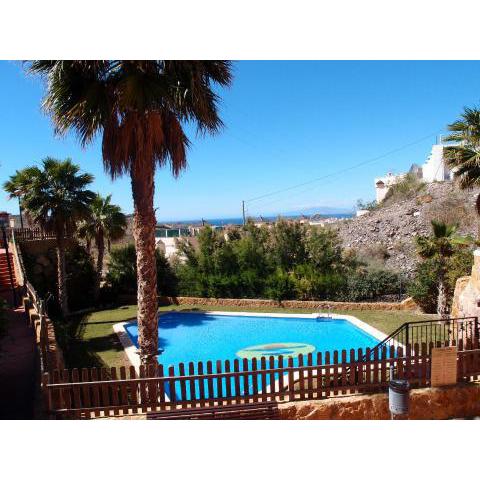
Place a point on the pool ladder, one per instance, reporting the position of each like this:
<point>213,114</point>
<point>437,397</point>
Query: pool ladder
<point>329,314</point>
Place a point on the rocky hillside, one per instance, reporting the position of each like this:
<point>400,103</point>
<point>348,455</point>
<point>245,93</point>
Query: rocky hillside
<point>386,235</point>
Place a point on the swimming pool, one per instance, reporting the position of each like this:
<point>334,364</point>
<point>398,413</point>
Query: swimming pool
<point>194,337</point>
<point>200,336</point>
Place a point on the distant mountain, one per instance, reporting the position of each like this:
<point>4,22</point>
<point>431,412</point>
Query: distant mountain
<point>319,211</point>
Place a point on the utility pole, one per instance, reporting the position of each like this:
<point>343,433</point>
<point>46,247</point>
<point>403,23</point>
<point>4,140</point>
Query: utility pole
<point>243,211</point>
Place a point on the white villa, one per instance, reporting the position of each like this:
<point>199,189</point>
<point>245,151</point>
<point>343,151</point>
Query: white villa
<point>433,170</point>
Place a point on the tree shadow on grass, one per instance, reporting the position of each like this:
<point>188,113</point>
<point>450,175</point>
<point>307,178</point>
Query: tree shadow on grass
<point>79,352</point>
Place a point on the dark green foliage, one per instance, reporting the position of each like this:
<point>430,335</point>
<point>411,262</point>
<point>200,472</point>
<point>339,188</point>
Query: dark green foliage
<point>122,272</point>
<point>280,286</point>
<point>361,205</point>
<point>374,284</point>
<point>41,270</point>
<point>287,261</point>
<point>424,288</point>
<point>80,278</point>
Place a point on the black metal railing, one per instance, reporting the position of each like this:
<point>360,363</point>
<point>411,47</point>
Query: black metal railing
<point>432,332</point>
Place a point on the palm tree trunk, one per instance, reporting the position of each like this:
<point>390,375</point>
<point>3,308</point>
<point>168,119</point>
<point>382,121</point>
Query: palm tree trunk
<point>442,307</point>
<point>144,235</point>
<point>62,273</point>
<point>100,243</point>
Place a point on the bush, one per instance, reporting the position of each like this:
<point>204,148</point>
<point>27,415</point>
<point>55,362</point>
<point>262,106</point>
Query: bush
<point>122,272</point>
<point>288,261</point>
<point>280,286</point>
<point>372,285</point>
<point>80,276</point>
<point>370,206</point>
<point>424,288</point>
<point>406,189</point>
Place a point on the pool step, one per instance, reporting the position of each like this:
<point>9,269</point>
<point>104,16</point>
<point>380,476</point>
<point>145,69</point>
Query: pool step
<point>253,411</point>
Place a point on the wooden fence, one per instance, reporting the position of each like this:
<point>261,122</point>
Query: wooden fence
<point>91,393</point>
<point>49,354</point>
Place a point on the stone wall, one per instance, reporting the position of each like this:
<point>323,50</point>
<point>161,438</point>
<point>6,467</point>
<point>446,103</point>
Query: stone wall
<point>407,304</point>
<point>54,353</point>
<point>467,292</point>
<point>40,260</point>
<point>458,401</point>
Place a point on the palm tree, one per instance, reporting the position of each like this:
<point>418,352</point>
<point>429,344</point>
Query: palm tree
<point>56,198</point>
<point>439,247</point>
<point>139,108</point>
<point>464,157</point>
<point>105,222</point>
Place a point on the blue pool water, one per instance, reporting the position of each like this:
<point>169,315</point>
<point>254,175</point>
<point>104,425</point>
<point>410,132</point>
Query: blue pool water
<point>194,337</point>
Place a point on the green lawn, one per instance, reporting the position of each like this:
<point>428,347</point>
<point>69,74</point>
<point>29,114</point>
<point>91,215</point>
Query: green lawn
<point>89,340</point>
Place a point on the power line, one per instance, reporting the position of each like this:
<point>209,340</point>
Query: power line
<point>365,162</point>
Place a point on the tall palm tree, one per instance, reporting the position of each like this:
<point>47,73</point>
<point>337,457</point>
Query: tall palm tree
<point>56,198</point>
<point>139,108</point>
<point>439,247</point>
<point>464,157</point>
<point>105,222</point>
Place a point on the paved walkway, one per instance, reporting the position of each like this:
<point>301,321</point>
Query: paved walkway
<point>17,368</point>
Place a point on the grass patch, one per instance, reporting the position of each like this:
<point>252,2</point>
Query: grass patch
<point>89,341</point>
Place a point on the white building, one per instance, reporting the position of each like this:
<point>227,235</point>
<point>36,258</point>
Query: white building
<point>383,184</point>
<point>433,170</point>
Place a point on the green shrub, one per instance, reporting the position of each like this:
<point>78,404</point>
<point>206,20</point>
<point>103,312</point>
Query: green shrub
<point>280,286</point>
<point>424,287</point>
<point>406,189</point>
<point>361,205</point>
<point>80,276</point>
<point>122,272</point>
<point>374,284</point>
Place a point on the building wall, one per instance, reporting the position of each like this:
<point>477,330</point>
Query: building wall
<point>167,246</point>
<point>434,169</point>
<point>383,184</point>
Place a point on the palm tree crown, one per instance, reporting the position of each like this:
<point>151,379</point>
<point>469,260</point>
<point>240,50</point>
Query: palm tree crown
<point>105,219</point>
<point>56,198</point>
<point>138,105</point>
<point>105,222</point>
<point>464,157</point>
<point>440,244</point>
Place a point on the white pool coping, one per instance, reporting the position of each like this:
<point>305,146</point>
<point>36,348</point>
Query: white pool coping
<point>134,358</point>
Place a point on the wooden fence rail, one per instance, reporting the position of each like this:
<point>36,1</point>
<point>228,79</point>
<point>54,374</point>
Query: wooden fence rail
<point>98,392</point>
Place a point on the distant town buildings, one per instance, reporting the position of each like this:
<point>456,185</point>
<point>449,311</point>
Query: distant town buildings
<point>433,170</point>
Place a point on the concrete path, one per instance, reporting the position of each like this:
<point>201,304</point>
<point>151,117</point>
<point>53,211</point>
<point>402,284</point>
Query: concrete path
<point>17,368</point>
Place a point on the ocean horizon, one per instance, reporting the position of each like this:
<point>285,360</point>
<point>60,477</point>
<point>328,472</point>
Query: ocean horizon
<point>239,220</point>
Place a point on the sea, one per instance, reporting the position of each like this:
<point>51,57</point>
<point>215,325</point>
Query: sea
<point>238,220</point>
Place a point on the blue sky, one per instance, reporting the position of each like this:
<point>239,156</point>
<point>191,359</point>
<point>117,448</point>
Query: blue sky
<point>287,123</point>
